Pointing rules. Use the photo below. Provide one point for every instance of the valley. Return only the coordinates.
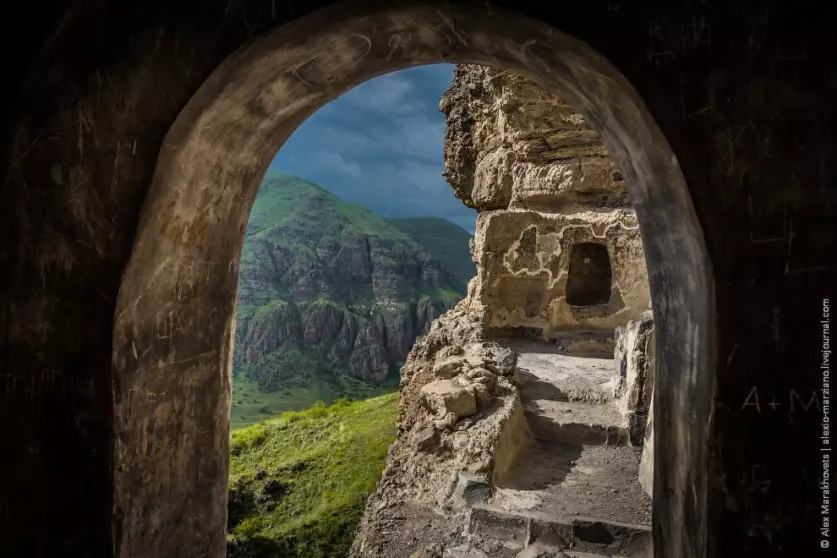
(331, 297)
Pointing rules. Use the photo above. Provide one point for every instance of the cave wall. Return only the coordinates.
(524, 258)
(543, 183)
(743, 93)
(633, 376)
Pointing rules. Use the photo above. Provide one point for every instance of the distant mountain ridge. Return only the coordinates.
(330, 291)
(446, 241)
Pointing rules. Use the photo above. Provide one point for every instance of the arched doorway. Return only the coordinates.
(176, 306)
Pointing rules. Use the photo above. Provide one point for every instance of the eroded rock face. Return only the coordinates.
(557, 248)
(509, 143)
(545, 187)
(460, 417)
(443, 397)
(633, 382)
(346, 297)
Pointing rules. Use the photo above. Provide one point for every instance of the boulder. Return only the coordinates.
(425, 438)
(506, 361)
(483, 377)
(447, 396)
(492, 356)
(449, 367)
(470, 489)
(448, 351)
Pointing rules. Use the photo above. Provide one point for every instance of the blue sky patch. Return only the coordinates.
(381, 145)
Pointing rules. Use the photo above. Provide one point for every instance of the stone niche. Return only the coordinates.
(589, 275)
(557, 246)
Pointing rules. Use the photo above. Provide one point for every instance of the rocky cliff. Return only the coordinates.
(511, 144)
(327, 287)
(548, 195)
(444, 241)
(557, 249)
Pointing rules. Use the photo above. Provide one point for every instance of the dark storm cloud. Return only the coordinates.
(380, 145)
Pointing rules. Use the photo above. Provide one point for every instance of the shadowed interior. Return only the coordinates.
(589, 275)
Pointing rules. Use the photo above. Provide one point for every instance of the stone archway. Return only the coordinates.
(175, 311)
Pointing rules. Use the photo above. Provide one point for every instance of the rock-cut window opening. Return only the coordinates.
(589, 275)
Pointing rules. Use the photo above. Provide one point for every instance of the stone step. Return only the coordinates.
(543, 372)
(574, 422)
(564, 480)
(575, 534)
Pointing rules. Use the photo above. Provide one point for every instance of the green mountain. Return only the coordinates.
(445, 241)
(331, 298)
(299, 483)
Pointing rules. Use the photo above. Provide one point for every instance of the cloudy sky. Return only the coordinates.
(380, 145)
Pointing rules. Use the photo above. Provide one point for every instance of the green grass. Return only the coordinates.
(250, 405)
(447, 295)
(298, 484)
(289, 201)
(295, 230)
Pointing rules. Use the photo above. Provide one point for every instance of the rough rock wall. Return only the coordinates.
(543, 183)
(646, 463)
(633, 385)
(460, 413)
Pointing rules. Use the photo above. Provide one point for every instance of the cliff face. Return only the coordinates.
(446, 242)
(328, 285)
(557, 249)
(550, 200)
(510, 144)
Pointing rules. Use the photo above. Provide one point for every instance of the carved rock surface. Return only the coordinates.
(446, 396)
(544, 185)
(633, 381)
(469, 424)
(509, 143)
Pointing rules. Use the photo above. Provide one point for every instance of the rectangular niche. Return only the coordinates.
(589, 275)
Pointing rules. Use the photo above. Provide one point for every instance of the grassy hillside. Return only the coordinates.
(306, 221)
(298, 483)
(330, 299)
(251, 405)
(445, 241)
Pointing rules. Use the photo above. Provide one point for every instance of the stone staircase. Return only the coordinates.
(576, 492)
(567, 396)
